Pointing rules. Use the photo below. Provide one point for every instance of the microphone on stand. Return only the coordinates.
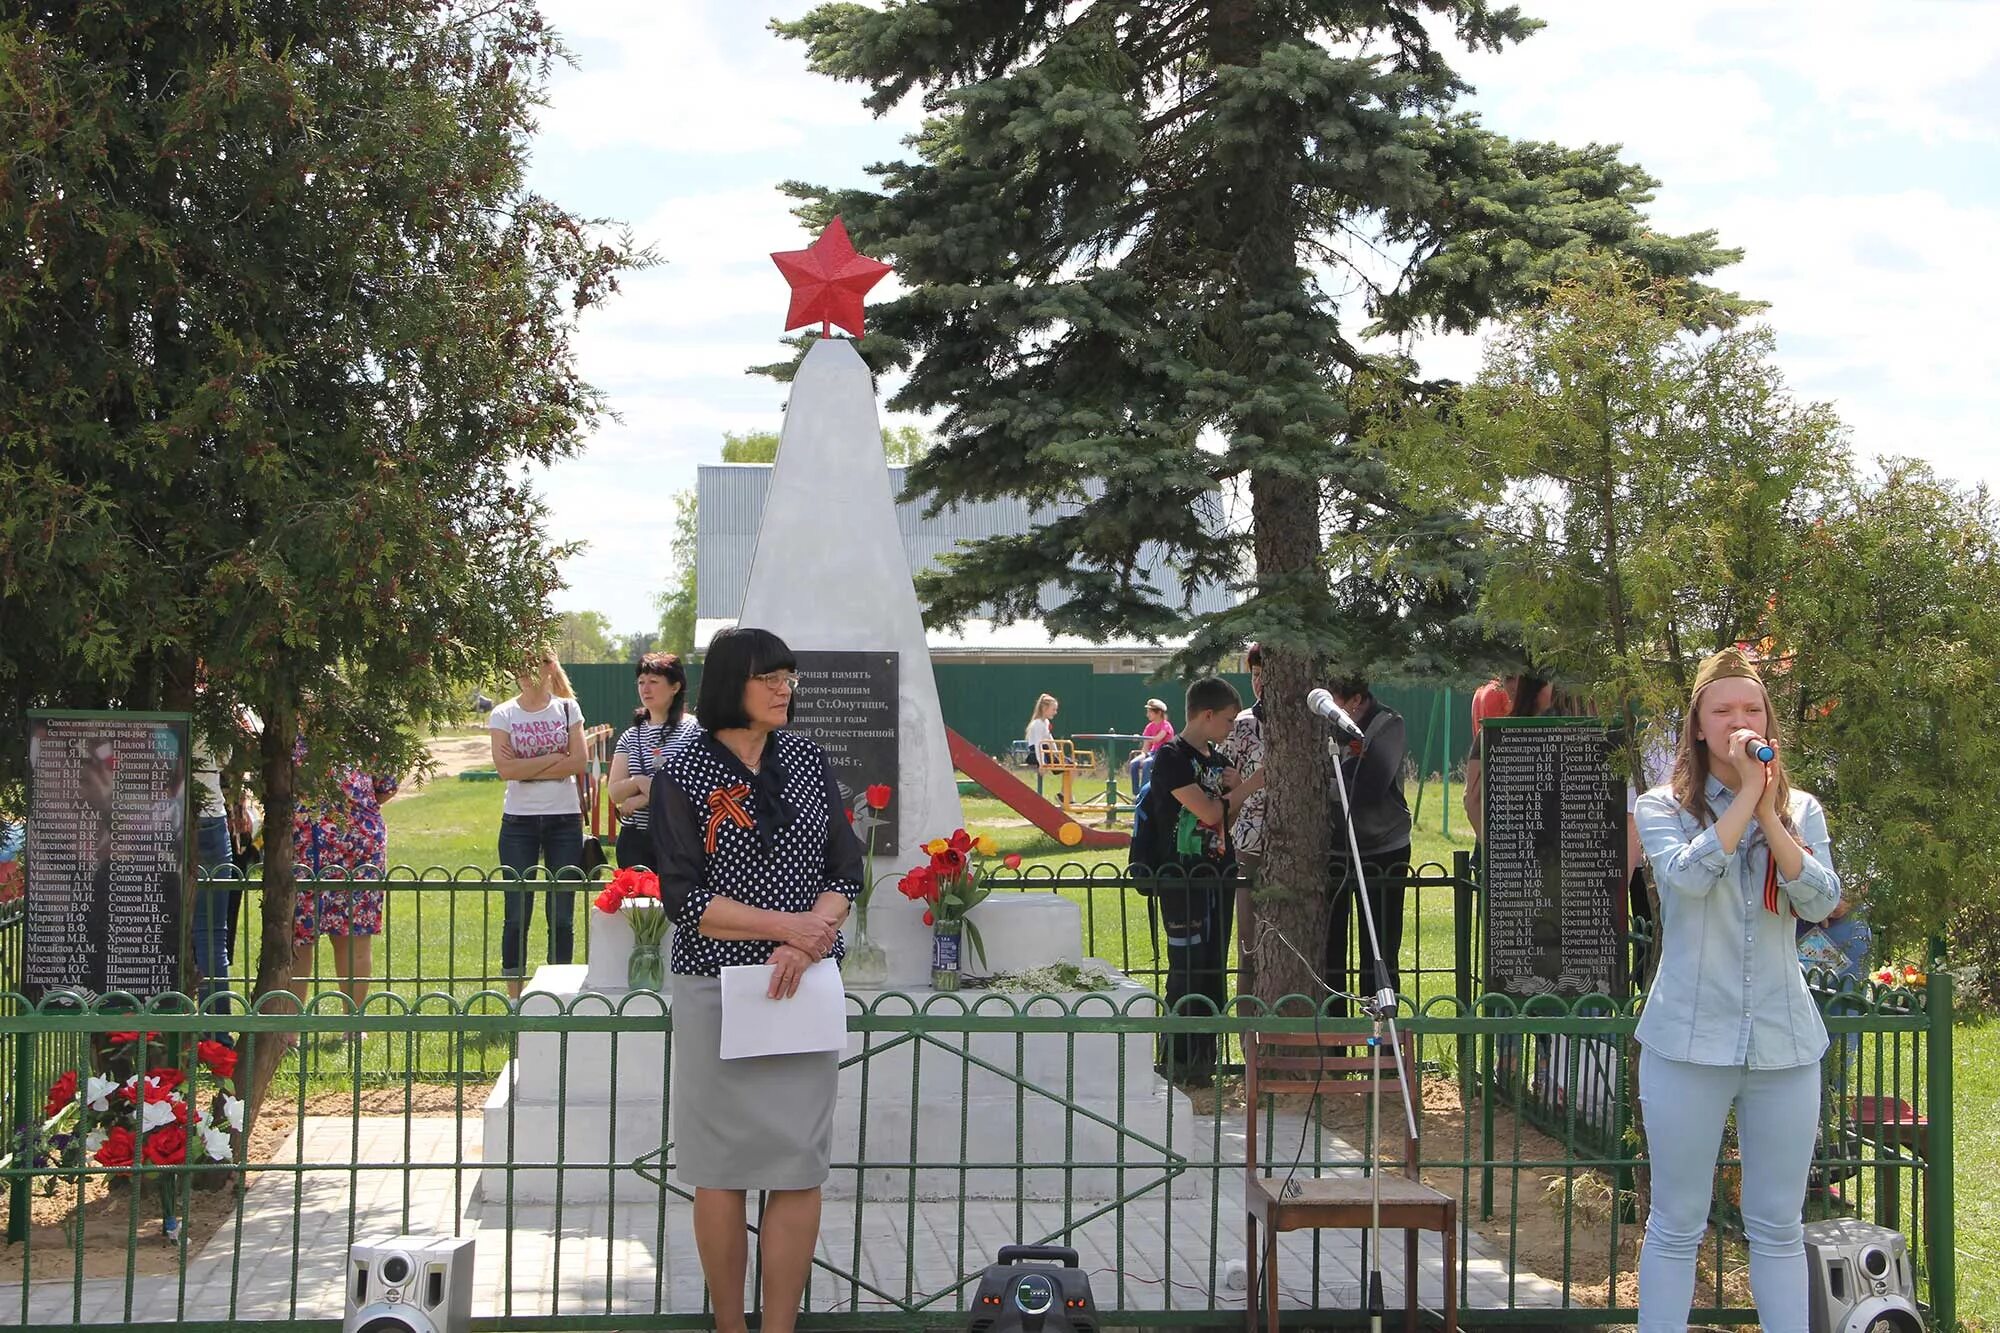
(1322, 704)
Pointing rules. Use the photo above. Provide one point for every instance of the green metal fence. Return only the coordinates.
(967, 1122)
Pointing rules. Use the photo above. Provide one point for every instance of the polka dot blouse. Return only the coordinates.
(775, 839)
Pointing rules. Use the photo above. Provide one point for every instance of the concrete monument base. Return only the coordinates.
(997, 1115)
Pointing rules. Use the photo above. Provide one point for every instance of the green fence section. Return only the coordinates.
(988, 704)
(969, 1121)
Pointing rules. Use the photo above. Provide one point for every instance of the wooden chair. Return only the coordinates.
(1317, 1064)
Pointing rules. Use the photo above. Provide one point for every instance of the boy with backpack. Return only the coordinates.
(1180, 833)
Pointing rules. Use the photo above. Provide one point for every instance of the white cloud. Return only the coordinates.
(668, 76)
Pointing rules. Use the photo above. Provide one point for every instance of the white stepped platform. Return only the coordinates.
(555, 1102)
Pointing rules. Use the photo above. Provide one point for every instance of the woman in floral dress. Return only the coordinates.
(342, 838)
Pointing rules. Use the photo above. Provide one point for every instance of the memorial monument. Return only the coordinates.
(829, 576)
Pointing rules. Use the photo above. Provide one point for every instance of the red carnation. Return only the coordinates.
(877, 796)
(167, 1146)
(220, 1059)
(61, 1093)
(129, 1038)
(649, 884)
(117, 1149)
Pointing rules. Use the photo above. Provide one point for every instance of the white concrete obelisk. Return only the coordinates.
(830, 574)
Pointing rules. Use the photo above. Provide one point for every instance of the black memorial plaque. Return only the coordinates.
(1552, 858)
(847, 703)
(107, 843)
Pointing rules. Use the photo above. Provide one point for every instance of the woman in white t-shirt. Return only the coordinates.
(1041, 732)
(538, 748)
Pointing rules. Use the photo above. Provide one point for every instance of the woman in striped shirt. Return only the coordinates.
(658, 727)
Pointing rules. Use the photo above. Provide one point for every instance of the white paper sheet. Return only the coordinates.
(813, 1019)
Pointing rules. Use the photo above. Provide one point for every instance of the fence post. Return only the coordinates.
(1463, 907)
(1940, 1231)
(26, 1105)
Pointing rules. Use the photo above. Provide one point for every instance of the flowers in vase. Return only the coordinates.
(636, 894)
(952, 884)
(155, 1116)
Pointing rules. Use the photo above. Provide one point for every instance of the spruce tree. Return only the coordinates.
(1145, 247)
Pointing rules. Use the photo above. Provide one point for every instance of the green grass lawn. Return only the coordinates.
(1976, 1182)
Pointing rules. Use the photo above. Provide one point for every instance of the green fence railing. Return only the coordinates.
(965, 1122)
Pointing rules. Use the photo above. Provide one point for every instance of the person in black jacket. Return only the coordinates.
(1372, 769)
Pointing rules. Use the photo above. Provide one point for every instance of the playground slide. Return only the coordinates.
(1019, 797)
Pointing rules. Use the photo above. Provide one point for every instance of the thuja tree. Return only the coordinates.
(1143, 246)
(280, 325)
(1887, 634)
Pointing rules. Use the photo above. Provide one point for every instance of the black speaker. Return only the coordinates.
(1021, 1290)
(409, 1284)
(1858, 1279)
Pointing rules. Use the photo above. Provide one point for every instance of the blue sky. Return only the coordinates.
(1851, 147)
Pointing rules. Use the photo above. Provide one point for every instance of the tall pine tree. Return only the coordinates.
(1145, 247)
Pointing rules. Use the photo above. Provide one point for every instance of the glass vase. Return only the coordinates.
(944, 959)
(866, 966)
(645, 968)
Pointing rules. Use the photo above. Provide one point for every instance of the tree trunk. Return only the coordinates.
(1298, 834)
(274, 957)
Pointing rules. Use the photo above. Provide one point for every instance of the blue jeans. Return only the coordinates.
(1777, 1112)
(555, 841)
(211, 907)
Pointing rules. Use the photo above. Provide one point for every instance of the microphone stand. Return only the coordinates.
(1381, 1007)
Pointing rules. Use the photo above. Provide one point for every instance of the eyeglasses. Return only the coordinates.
(778, 680)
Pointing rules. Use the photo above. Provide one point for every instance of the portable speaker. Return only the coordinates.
(1031, 1296)
(409, 1284)
(1858, 1279)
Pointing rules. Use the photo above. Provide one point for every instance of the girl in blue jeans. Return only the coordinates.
(1740, 857)
(538, 748)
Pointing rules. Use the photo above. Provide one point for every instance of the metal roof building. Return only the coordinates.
(730, 505)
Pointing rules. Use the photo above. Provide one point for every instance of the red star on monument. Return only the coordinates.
(828, 281)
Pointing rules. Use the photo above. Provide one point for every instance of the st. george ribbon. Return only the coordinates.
(1381, 1006)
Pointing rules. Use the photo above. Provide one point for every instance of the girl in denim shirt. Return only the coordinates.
(1739, 857)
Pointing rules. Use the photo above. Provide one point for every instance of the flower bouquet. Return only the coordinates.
(950, 886)
(1907, 975)
(867, 963)
(635, 894)
(94, 1120)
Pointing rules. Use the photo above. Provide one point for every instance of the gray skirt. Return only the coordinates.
(764, 1122)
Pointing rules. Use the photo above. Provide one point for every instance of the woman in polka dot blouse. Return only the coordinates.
(757, 864)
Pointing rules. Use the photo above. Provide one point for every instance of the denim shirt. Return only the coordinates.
(1730, 990)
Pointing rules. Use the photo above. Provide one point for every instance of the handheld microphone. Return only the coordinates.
(1321, 703)
(1757, 747)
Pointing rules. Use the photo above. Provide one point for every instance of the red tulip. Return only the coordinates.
(609, 900)
(949, 863)
(961, 842)
(877, 796)
(929, 918)
(1012, 860)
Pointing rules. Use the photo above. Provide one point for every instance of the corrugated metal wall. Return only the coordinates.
(988, 704)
